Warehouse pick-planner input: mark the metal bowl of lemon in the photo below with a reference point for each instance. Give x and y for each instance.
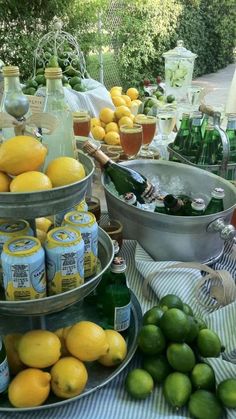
(29, 205)
(52, 304)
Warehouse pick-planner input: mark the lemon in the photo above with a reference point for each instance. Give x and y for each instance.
(69, 377)
(127, 100)
(112, 126)
(122, 111)
(132, 93)
(41, 235)
(98, 133)
(139, 383)
(118, 100)
(112, 138)
(21, 154)
(62, 333)
(30, 182)
(43, 223)
(5, 181)
(65, 170)
(116, 91)
(87, 341)
(11, 343)
(106, 115)
(117, 349)
(126, 120)
(95, 122)
(39, 348)
(29, 388)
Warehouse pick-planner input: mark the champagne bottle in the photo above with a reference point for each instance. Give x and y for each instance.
(123, 178)
(216, 203)
(173, 205)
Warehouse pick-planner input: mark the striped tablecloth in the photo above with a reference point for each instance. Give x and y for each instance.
(111, 401)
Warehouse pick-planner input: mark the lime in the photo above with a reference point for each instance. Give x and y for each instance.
(79, 88)
(151, 340)
(70, 71)
(146, 110)
(40, 79)
(205, 405)
(139, 383)
(65, 79)
(170, 99)
(203, 377)
(170, 301)
(187, 309)
(40, 71)
(201, 323)
(31, 83)
(158, 94)
(158, 367)
(193, 330)
(153, 316)
(75, 80)
(29, 91)
(53, 61)
(208, 343)
(181, 357)
(226, 392)
(175, 325)
(177, 389)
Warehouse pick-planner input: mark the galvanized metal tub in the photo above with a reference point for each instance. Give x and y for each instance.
(167, 237)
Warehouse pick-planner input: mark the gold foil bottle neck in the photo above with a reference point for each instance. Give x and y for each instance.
(11, 71)
(53, 73)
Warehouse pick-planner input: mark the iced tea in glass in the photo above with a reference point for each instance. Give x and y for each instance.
(131, 139)
(81, 123)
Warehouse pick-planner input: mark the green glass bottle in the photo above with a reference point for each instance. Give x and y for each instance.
(182, 137)
(173, 205)
(205, 122)
(209, 151)
(216, 203)
(197, 207)
(194, 142)
(231, 132)
(115, 297)
(160, 206)
(4, 370)
(123, 178)
(216, 136)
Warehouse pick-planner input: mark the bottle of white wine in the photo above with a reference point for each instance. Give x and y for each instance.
(124, 178)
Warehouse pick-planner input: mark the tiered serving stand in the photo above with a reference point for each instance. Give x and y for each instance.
(69, 307)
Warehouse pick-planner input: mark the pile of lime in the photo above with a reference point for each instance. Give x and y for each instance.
(174, 344)
(158, 101)
(70, 66)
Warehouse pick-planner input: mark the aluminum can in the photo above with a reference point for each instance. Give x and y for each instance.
(85, 222)
(24, 272)
(64, 249)
(58, 219)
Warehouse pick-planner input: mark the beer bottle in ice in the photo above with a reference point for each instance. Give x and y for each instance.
(173, 205)
(216, 203)
(197, 207)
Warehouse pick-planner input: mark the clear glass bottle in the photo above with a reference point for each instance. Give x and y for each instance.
(216, 203)
(182, 136)
(194, 143)
(4, 369)
(115, 297)
(61, 142)
(197, 207)
(12, 93)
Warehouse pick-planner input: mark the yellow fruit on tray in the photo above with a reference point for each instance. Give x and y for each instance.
(112, 138)
(65, 170)
(98, 133)
(39, 348)
(62, 333)
(122, 111)
(118, 100)
(106, 115)
(69, 377)
(116, 91)
(95, 122)
(126, 120)
(117, 349)
(29, 388)
(21, 154)
(87, 341)
(43, 223)
(30, 182)
(11, 343)
(41, 235)
(132, 93)
(112, 126)
(5, 181)
(127, 99)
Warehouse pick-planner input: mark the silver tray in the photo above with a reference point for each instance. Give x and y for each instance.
(43, 203)
(98, 375)
(59, 302)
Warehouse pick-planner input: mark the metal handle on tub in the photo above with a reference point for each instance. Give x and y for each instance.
(227, 231)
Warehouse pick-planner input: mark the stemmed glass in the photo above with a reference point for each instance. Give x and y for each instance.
(148, 124)
(166, 119)
(131, 139)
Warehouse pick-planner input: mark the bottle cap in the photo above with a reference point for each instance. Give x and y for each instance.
(118, 265)
(116, 246)
(53, 73)
(218, 193)
(198, 204)
(185, 115)
(130, 198)
(197, 114)
(10, 71)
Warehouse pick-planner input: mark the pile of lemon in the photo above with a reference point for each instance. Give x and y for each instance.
(21, 159)
(42, 361)
(106, 127)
